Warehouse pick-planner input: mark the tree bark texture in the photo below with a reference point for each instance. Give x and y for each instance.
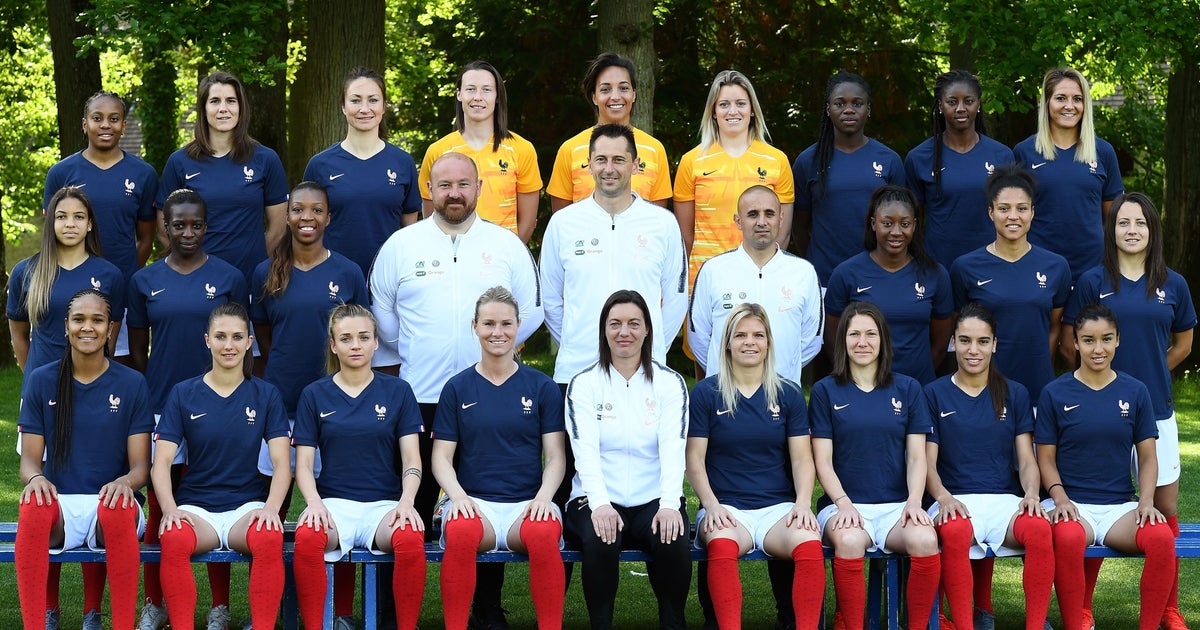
(627, 27)
(1181, 205)
(75, 78)
(268, 103)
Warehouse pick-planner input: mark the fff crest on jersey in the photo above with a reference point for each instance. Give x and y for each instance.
(897, 407)
(380, 413)
(250, 414)
(526, 405)
(114, 403)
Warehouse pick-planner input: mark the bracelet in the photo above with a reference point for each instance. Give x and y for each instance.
(840, 498)
(30, 480)
(1053, 485)
(412, 471)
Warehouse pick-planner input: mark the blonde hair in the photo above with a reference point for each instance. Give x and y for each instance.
(496, 294)
(340, 312)
(709, 132)
(1085, 147)
(771, 381)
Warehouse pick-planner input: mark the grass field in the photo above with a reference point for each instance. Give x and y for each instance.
(1116, 601)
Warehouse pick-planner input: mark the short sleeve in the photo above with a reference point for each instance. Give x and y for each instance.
(305, 432)
(277, 420)
(529, 176)
(918, 414)
(943, 299)
(819, 417)
(1045, 427)
(445, 418)
(275, 185)
(410, 414)
(170, 422)
(14, 308)
(685, 183)
(797, 411)
(550, 408)
(701, 410)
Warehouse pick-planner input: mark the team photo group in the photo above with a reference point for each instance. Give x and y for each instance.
(985, 335)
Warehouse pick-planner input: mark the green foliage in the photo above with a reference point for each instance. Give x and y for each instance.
(29, 135)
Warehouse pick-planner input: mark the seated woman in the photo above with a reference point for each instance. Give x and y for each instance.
(361, 420)
(982, 432)
(749, 459)
(627, 418)
(223, 415)
(868, 432)
(85, 491)
(1088, 422)
(498, 419)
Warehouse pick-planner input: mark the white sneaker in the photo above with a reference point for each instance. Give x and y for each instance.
(218, 618)
(153, 617)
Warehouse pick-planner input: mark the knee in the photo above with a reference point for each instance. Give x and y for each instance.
(310, 540)
(178, 542)
(1069, 537)
(264, 541)
(956, 534)
(1034, 533)
(849, 543)
(464, 531)
(35, 514)
(543, 533)
(923, 541)
(1156, 540)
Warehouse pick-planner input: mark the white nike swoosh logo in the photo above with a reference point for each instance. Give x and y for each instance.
(333, 177)
(186, 176)
(1069, 407)
(840, 407)
(199, 415)
(469, 405)
(80, 185)
(326, 414)
(1104, 295)
(861, 289)
(947, 413)
(723, 412)
(1037, 166)
(54, 402)
(983, 282)
(154, 293)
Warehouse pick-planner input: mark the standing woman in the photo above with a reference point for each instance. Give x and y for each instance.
(1023, 285)
(501, 420)
(371, 183)
(868, 433)
(1077, 173)
(365, 423)
(610, 84)
(41, 286)
(627, 416)
(241, 180)
(749, 459)
(169, 305)
(507, 163)
(89, 456)
(982, 432)
(948, 170)
(1088, 422)
(733, 155)
(1156, 305)
(223, 416)
(838, 174)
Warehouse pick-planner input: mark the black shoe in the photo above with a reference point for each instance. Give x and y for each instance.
(490, 618)
(784, 622)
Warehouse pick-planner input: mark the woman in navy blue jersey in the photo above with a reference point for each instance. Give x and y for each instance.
(89, 417)
(1155, 304)
(868, 432)
(221, 502)
(982, 432)
(500, 420)
(169, 304)
(749, 459)
(947, 171)
(365, 424)
(898, 275)
(1088, 421)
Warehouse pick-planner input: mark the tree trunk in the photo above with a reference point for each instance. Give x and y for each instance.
(627, 27)
(1181, 203)
(342, 34)
(7, 358)
(75, 78)
(268, 103)
(156, 101)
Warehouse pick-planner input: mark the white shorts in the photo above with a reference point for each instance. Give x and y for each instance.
(1166, 450)
(180, 454)
(356, 523)
(757, 522)
(990, 516)
(502, 516)
(1100, 517)
(264, 457)
(223, 521)
(878, 520)
(81, 521)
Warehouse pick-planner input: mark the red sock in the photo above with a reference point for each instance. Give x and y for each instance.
(724, 583)
(1158, 543)
(808, 583)
(150, 580)
(1173, 599)
(122, 556)
(956, 536)
(458, 569)
(266, 575)
(32, 559)
(344, 574)
(981, 579)
(1091, 573)
(1038, 575)
(308, 567)
(178, 545)
(94, 575)
(923, 576)
(1069, 542)
(53, 580)
(408, 576)
(218, 582)
(851, 590)
(547, 578)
